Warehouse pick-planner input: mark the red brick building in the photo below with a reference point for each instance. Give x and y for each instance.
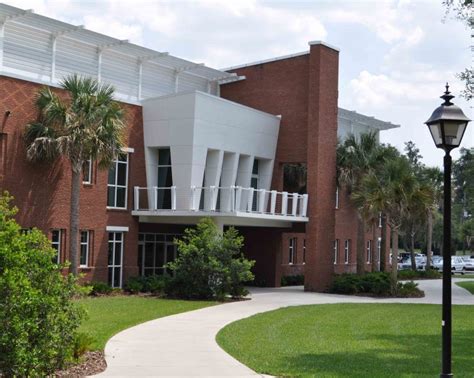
(200, 142)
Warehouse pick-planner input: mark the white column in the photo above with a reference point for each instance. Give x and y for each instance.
(53, 58)
(244, 174)
(305, 205)
(251, 193)
(173, 198)
(212, 175)
(228, 177)
(176, 82)
(136, 197)
(294, 204)
(155, 198)
(261, 201)
(238, 198)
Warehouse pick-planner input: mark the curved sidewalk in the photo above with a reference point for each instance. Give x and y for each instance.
(184, 344)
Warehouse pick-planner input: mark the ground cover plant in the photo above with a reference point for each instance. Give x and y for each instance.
(109, 315)
(468, 285)
(418, 274)
(350, 340)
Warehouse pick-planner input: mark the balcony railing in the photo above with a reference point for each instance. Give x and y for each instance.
(233, 199)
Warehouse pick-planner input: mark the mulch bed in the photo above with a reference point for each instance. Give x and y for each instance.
(92, 363)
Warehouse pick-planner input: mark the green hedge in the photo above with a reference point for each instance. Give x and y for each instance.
(294, 280)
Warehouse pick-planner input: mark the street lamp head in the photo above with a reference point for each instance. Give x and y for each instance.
(448, 123)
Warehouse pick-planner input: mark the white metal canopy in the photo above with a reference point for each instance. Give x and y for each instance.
(43, 49)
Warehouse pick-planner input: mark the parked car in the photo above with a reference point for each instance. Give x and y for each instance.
(469, 262)
(457, 264)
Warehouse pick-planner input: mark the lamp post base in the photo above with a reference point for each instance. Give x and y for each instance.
(446, 375)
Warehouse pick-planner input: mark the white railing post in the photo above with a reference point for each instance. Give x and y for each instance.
(284, 203)
(238, 198)
(173, 198)
(212, 189)
(305, 205)
(273, 200)
(261, 201)
(294, 204)
(136, 197)
(250, 200)
(155, 198)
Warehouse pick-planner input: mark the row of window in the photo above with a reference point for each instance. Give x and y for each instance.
(347, 251)
(57, 237)
(115, 252)
(117, 183)
(293, 251)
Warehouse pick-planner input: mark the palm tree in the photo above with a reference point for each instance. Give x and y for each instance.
(432, 177)
(356, 158)
(389, 191)
(85, 124)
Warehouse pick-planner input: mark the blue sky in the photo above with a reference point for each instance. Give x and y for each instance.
(395, 55)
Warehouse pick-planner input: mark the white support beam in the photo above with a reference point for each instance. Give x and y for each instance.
(70, 30)
(16, 15)
(107, 46)
(54, 39)
(2, 38)
(99, 65)
(140, 79)
(176, 82)
(189, 68)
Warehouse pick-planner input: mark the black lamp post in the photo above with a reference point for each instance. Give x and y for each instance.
(447, 125)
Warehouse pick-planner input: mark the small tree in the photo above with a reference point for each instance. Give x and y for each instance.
(210, 264)
(38, 320)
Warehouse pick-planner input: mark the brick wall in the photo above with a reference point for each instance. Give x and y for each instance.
(42, 190)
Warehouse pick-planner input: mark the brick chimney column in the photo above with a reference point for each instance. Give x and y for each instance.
(321, 163)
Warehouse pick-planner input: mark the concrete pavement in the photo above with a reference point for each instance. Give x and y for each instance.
(184, 344)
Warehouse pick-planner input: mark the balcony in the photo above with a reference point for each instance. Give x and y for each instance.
(232, 205)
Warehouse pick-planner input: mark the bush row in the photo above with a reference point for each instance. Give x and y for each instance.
(294, 280)
(376, 284)
(418, 274)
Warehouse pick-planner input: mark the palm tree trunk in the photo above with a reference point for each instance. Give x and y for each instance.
(429, 240)
(412, 248)
(394, 272)
(383, 244)
(373, 256)
(74, 220)
(360, 246)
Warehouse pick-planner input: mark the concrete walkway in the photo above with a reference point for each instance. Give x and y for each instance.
(184, 344)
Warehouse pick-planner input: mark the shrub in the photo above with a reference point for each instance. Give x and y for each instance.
(409, 290)
(38, 318)
(100, 288)
(418, 274)
(294, 280)
(209, 264)
(376, 283)
(135, 284)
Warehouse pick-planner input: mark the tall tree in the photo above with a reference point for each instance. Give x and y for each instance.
(84, 124)
(463, 11)
(356, 158)
(389, 190)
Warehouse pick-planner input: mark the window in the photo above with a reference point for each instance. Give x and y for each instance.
(87, 172)
(254, 184)
(117, 183)
(154, 252)
(337, 197)
(379, 248)
(347, 245)
(115, 257)
(84, 246)
(304, 251)
(336, 250)
(165, 178)
(56, 244)
(369, 251)
(292, 251)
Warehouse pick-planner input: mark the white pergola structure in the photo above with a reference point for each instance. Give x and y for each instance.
(44, 50)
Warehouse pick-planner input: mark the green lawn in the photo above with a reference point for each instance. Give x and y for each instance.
(468, 285)
(110, 315)
(351, 340)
